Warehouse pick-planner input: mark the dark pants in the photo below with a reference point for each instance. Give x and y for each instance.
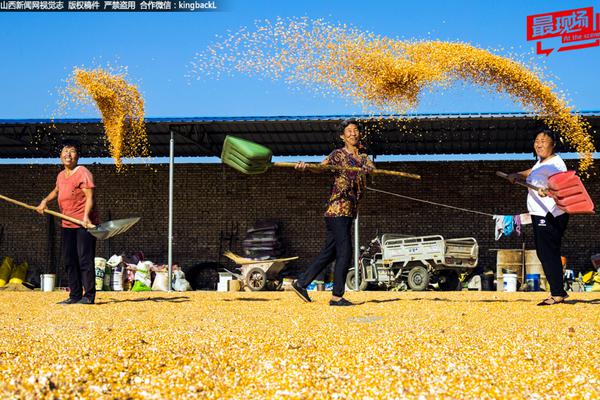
(338, 247)
(548, 232)
(79, 249)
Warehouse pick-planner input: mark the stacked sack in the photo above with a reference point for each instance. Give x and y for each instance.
(263, 241)
(117, 274)
(113, 274)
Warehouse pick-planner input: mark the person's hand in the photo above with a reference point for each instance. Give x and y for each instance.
(87, 223)
(542, 192)
(300, 166)
(367, 168)
(512, 178)
(41, 207)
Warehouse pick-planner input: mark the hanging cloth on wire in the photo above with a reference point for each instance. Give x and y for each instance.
(506, 225)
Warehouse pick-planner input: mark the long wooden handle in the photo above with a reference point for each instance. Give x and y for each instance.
(354, 169)
(50, 212)
(522, 183)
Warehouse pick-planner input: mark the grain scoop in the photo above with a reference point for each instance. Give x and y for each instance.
(103, 231)
(567, 190)
(252, 158)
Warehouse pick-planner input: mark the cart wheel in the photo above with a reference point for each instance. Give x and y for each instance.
(418, 278)
(449, 281)
(256, 279)
(362, 284)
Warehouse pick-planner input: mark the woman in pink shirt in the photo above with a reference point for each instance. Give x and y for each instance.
(75, 192)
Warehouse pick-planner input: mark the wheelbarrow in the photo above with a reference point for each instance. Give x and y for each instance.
(259, 275)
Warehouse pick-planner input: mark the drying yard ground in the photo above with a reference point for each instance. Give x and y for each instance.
(272, 345)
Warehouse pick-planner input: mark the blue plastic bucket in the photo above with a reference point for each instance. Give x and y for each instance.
(533, 281)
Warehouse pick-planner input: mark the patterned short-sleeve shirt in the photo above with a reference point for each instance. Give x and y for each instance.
(347, 186)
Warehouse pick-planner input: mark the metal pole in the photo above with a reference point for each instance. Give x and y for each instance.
(356, 253)
(170, 247)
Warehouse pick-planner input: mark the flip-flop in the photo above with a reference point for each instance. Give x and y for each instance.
(550, 301)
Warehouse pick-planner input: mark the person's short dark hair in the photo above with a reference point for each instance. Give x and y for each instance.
(70, 143)
(349, 121)
(551, 134)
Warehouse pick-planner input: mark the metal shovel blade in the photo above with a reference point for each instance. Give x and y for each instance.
(112, 228)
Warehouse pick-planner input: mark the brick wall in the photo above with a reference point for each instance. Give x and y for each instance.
(213, 199)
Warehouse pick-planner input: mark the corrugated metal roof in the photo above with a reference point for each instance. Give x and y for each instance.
(512, 114)
(293, 135)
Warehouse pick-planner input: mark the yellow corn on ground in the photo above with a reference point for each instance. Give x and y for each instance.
(272, 345)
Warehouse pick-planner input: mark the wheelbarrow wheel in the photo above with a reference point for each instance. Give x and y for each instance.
(256, 279)
(418, 278)
(362, 284)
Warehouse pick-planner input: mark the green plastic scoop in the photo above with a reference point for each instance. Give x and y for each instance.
(252, 158)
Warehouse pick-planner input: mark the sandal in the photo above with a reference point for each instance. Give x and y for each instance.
(551, 301)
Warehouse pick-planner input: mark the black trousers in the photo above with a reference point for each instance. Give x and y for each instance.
(548, 232)
(338, 247)
(79, 250)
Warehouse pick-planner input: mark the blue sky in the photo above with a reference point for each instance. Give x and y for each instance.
(40, 49)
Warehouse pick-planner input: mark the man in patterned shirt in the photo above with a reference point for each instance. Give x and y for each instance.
(340, 212)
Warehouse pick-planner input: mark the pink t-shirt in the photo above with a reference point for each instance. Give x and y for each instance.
(71, 198)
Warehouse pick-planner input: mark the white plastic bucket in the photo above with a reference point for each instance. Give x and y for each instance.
(47, 282)
(510, 282)
(224, 278)
(117, 280)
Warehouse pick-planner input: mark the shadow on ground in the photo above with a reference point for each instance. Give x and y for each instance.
(451, 300)
(180, 299)
(251, 299)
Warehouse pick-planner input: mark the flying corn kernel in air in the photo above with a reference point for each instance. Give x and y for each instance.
(121, 107)
(385, 74)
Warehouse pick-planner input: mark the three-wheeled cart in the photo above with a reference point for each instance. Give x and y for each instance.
(400, 262)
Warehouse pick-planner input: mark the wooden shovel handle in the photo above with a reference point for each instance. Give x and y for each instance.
(354, 169)
(522, 183)
(49, 212)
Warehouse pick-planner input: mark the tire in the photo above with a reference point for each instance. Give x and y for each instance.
(418, 278)
(362, 284)
(449, 281)
(256, 279)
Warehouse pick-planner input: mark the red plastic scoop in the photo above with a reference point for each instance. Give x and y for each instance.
(567, 190)
(569, 193)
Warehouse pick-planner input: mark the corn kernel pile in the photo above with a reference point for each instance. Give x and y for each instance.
(272, 345)
(121, 107)
(385, 74)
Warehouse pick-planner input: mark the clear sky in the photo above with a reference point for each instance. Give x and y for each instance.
(38, 51)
